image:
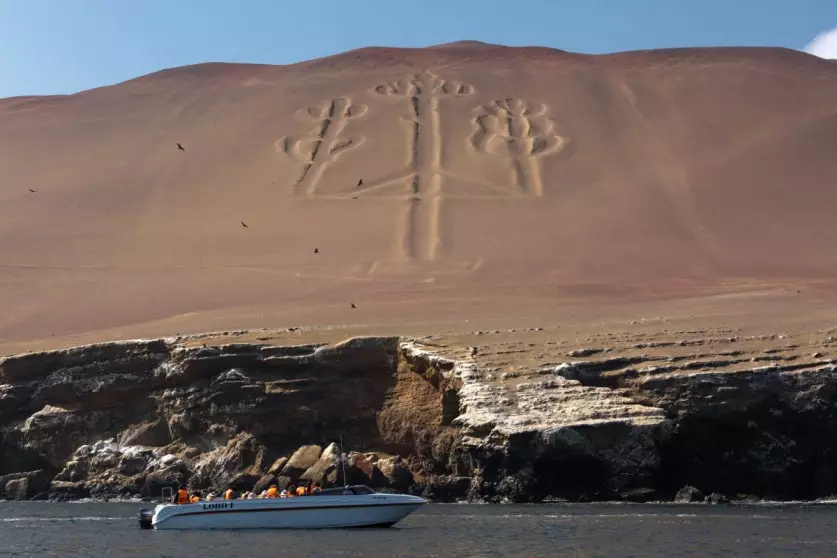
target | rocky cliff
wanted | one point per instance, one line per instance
(633, 419)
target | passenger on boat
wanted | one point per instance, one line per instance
(272, 492)
(315, 488)
(210, 496)
(283, 494)
(229, 494)
(251, 495)
(300, 490)
(263, 494)
(181, 497)
(195, 499)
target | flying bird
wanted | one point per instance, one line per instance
(243, 224)
(360, 183)
(31, 190)
(354, 197)
(180, 147)
(353, 305)
(316, 250)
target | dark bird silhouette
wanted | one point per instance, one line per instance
(31, 190)
(353, 305)
(354, 197)
(360, 183)
(243, 224)
(316, 250)
(180, 147)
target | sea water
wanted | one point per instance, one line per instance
(42, 529)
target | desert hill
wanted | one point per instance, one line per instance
(463, 180)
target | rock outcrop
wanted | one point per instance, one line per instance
(635, 423)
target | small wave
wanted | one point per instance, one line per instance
(111, 501)
(609, 516)
(68, 519)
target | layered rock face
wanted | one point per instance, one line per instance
(633, 420)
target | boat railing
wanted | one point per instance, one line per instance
(167, 494)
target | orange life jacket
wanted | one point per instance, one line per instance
(194, 499)
(271, 492)
(228, 495)
(300, 491)
(182, 496)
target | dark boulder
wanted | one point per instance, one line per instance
(264, 483)
(244, 482)
(23, 486)
(640, 495)
(689, 494)
(64, 491)
(303, 459)
(327, 471)
(716, 498)
(277, 466)
(151, 433)
(517, 488)
(363, 469)
(396, 472)
(155, 482)
(132, 464)
(448, 489)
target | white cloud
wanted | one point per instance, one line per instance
(824, 45)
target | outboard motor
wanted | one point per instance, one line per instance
(145, 516)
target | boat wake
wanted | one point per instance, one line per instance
(61, 519)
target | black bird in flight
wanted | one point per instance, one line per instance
(31, 190)
(360, 183)
(353, 305)
(180, 147)
(243, 224)
(316, 250)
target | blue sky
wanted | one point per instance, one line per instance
(63, 46)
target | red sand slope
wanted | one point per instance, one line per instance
(495, 181)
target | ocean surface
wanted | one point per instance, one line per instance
(42, 529)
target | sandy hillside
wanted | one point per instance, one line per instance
(425, 186)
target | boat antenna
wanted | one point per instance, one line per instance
(343, 461)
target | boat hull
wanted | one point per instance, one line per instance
(292, 513)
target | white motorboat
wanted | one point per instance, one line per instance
(350, 506)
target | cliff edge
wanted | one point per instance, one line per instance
(616, 418)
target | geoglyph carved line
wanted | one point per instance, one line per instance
(521, 131)
(324, 144)
(420, 228)
(424, 156)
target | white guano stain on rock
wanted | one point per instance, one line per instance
(491, 411)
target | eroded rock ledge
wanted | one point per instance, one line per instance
(636, 421)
